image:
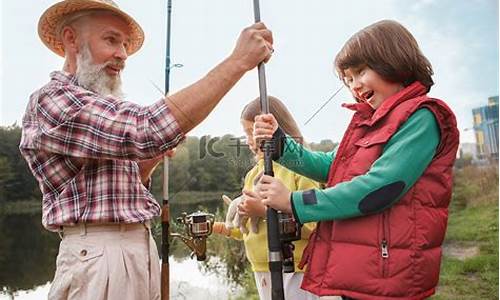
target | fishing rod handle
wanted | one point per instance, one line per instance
(275, 255)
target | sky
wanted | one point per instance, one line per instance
(460, 38)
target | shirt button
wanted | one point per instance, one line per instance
(83, 252)
(342, 158)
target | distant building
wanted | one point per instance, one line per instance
(467, 149)
(486, 129)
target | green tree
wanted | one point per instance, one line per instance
(19, 183)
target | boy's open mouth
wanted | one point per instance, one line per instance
(366, 96)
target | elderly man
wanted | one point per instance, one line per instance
(92, 153)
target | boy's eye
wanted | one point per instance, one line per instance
(347, 80)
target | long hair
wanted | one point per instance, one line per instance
(389, 49)
(279, 111)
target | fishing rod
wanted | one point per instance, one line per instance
(324, 104)
(165, 210)
(273, 238)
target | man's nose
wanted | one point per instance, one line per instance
(121, 53)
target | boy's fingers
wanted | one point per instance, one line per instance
(261, 125)
(266, 179)
(249, 193)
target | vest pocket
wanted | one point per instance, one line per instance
(377, 138)
(365, 152)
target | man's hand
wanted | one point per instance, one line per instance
(264, 128)
(192, 104)
(275, 194)
(254, 45)
(147, 166)
(252, 205)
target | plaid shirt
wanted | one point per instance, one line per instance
(83, 149)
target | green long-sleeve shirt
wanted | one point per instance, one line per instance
(404, 158)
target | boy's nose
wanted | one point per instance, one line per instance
(356, 85)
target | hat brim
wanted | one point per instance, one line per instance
(50, 19)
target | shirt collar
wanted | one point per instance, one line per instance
(371, 116)
(63, 77)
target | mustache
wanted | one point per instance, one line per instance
(116, 64)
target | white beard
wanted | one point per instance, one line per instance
(93, 76)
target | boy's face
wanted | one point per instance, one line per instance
(367, 86)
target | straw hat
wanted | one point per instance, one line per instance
(50, 20)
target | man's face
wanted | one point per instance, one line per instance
(367, 86)
(102, 54)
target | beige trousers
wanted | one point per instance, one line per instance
(118, 261)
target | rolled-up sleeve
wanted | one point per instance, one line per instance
(79, 123)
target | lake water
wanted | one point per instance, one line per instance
(27, 264)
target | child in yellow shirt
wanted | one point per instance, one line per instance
(251, 206)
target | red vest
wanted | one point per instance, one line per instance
(394, 254)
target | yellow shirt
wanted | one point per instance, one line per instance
(256, 243)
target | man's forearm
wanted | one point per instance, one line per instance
(192, 104)
(147, 167)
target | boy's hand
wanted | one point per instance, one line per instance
(275, 194)
(264, 128)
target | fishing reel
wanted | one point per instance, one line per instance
(197, 227)
(289, 231)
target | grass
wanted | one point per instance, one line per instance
(473, 222)
(475, 277)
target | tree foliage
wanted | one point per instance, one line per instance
(16, 181)
(206, 163)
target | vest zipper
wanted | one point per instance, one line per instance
(385, 251)
(384, 246)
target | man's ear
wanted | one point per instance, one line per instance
(69, 39)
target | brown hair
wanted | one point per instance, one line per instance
(389, 49)
(279, 111)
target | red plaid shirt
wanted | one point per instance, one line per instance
(83, 149)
